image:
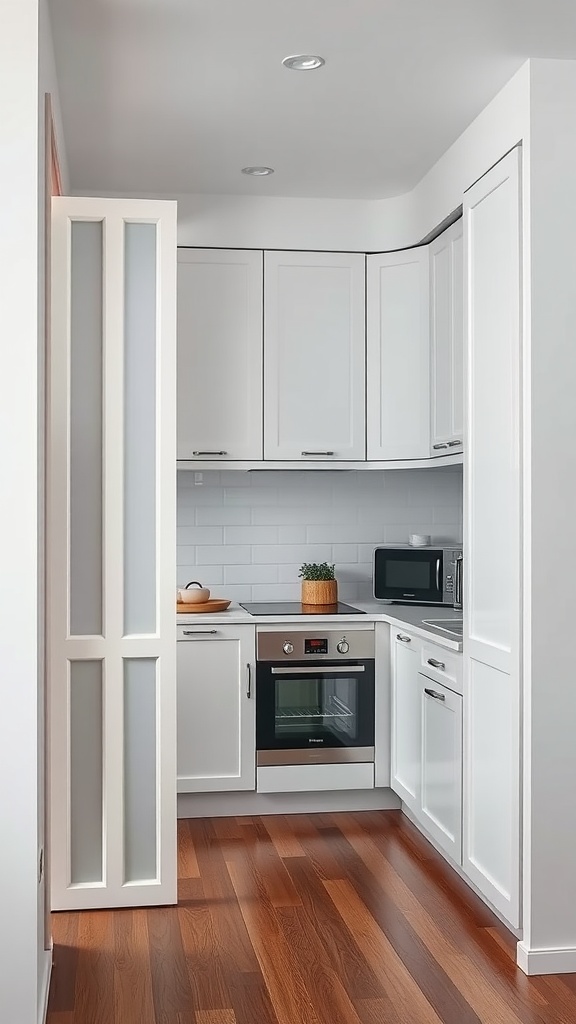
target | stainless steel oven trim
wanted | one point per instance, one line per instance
(315, 670)
(270, 644)
(327, 755)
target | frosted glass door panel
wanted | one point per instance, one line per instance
(85, 429)
(85, 697)
(140, 756)
(140, 429)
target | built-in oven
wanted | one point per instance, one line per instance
(314, 697)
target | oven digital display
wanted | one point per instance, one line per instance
(315, 645)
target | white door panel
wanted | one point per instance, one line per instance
(111, 553)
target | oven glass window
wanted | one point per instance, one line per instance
(408, 575)
(322, 708)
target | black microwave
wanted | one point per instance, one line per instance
(418, 575)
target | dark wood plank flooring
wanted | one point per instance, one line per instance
(303, 919)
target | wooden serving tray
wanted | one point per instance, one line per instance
(213, 605)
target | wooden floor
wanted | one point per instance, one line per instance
(306, 919)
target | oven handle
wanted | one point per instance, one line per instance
(330, 670)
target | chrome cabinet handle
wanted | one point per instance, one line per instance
(210, 453)
(437, 664)
(434, 446)
(404, 639)
(453, 444)
(199, 632)
(317, 453)
(434, 693)
(249, 687)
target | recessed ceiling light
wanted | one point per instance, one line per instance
(258, 172)
(303, 62)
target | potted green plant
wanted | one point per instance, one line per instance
(319, 585)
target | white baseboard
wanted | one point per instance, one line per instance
(546, 961)
(44, 987)
(218, 805)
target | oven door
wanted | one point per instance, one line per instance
(319, 713)
(409, 575)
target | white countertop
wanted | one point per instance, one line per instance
(404, 616)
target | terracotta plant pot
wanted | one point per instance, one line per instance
(324, 592)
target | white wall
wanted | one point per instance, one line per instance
(21, 988)
(550, 535)
(245, 535)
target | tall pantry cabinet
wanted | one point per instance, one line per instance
(492, 537)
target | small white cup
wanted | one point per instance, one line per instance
(419, 540)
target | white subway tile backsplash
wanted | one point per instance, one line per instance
(225, 554)
(199, 535)
(207, 575)
(250, 534)
(245, 535)
(278, 553)
(291, 534)
(251, 574)
(224, 515)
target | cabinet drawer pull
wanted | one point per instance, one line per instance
(437, 664)
(434, 446)
(199, 632)
(453, 444)
(318, 453)
(249, 686)
(210, 453)
(404, 639)
(434, 693)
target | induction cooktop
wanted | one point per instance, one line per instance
(295, 608)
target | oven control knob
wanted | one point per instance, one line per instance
(343, 647)
(287, 647)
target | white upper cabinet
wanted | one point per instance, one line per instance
(219, 354)
(398, 383)
(446, 341)
(314, 365)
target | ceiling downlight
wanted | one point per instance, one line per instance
(258, 172)
(303, 62)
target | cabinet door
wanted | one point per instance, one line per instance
(493, 537)
(447, 339)
(314, 365)
(441, 781)
(219, 354)
(406, 713)
(216, 747)
(398, 385)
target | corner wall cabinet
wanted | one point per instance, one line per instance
(216, 745)
(447, 342)
(397, 355)
(219, 354)
(295, 358)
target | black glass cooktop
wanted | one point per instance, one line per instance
(295, 608)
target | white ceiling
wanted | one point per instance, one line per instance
(177, 96)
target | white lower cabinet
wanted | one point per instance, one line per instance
(441, 776)
(216, 744)
(427, 742)
(406, 764)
